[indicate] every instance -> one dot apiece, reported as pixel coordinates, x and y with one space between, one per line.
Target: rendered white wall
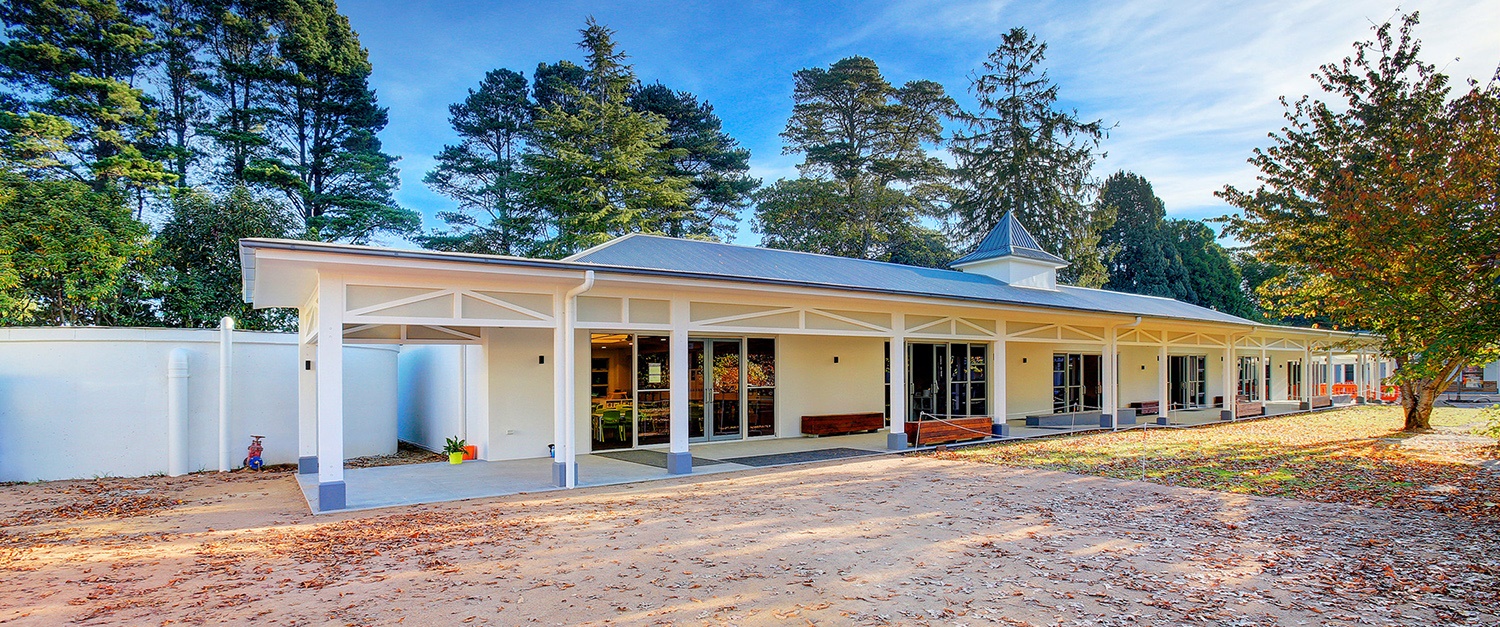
1138 375
521 393
809 383
1029 384
429 395
89 401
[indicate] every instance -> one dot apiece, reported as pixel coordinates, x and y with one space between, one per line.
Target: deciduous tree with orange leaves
1385 207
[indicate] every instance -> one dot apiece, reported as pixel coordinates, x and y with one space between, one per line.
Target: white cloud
1194 87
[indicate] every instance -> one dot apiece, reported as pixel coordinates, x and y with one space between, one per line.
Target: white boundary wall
92 401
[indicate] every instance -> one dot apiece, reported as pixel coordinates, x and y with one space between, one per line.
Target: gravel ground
893 540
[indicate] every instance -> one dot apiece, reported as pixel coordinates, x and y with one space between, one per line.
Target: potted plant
455 450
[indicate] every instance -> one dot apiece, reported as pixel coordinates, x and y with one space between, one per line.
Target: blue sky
1191 86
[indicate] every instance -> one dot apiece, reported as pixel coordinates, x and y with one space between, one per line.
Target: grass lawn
1357 456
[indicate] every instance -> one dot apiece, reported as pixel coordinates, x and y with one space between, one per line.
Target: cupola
1011 254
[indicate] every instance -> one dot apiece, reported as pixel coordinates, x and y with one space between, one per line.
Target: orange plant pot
471 452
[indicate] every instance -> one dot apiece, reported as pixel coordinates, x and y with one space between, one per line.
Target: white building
656 343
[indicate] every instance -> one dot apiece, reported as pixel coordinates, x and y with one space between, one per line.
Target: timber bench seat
950 430
841 424
1316 402
1244 409
1147 408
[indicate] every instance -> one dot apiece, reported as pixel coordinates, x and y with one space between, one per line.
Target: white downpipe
177 404
570 380
226 374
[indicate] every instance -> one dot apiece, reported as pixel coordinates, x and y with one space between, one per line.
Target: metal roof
734 262
1008 239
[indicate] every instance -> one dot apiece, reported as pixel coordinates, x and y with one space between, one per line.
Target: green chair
610 421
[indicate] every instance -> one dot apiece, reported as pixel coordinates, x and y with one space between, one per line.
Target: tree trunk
1416 403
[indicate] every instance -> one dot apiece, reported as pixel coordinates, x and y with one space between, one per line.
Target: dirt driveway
893 540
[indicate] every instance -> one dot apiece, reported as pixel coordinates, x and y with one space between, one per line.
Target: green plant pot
455 458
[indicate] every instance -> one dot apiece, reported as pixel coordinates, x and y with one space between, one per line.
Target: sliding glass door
1188 381
1076 382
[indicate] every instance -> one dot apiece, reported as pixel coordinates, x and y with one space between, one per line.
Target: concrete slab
413 484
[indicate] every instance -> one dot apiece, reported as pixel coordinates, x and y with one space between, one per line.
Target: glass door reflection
724 391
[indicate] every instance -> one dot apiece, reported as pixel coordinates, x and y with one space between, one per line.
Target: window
945 380
1075 382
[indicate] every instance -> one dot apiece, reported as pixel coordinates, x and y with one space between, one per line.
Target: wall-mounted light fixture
541 359
835 359
1023 360
307 364
1143 366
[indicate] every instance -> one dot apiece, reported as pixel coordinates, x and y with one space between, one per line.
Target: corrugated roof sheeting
742 262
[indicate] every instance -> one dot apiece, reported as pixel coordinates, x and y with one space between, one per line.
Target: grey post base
896 441
307 465
1226 414
331 496
1000 430
1162 420
560 474
680 463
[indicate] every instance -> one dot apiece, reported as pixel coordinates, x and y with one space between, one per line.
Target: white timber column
1109 412
1328 372
998 426
1306 375
559 392
307 395
1264 391
679 459
330 375
1359 376
1231 379
1163 391
476 391
895 437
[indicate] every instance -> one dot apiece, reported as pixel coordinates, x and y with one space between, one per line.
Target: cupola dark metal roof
1008 239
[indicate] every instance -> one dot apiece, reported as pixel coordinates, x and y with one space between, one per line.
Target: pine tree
325 157
867 176
242 70
706 155
1020 153
181 31
600 169
80 61
483 172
